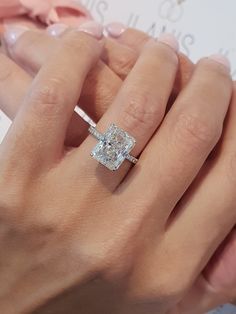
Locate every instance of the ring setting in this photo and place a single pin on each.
(113, 147)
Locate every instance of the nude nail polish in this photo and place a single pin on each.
(92, 28)
(221, 59)
(57, 29)
(169, 40)
(12, 33)
(115, 30)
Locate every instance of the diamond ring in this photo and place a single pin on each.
(113, 147)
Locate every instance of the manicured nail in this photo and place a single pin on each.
(92, 28)
(13, 32)
(57, 29)
(115, 30)
(170, 40)
(221, 59)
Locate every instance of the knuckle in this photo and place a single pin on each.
(196, 132)
(125, 62)
(48, 98)
(141, 110)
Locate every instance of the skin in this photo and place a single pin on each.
(195, 197)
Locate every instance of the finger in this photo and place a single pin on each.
(124, 46)
(130, 37)
(218, 283)
(139, 107)
(50, 103)
(172, 160)
(211, 201)
(29, 48)
(32, 49)
(135, 40)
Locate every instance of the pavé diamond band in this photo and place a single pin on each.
(113, 148)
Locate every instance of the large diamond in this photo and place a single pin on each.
(112, 150)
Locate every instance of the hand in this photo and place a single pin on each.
(32, 49)
(43, 167)
(121, 60)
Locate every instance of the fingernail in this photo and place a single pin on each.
(115, 30)
(12, 33)
(92, 28)
(221, 59)
(57, 29)
(170, 40)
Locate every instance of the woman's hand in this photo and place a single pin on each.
(31, 49)
(120, 60)
(112, 230)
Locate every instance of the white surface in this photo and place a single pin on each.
(203, 27)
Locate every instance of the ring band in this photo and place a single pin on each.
(113, 148)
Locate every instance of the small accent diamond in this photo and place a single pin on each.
(113, 147)
(95, 133)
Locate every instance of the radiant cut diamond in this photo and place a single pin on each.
(113, 148)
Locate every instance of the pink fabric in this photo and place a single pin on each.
(43, 12)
